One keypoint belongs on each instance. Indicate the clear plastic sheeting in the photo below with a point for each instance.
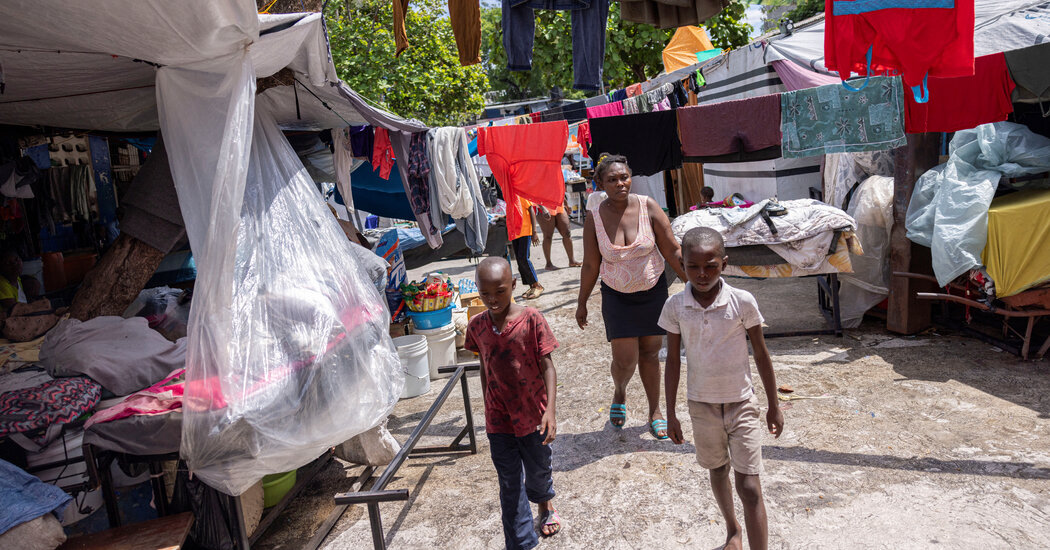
(290, 354)
(872, 207)
(949, 206)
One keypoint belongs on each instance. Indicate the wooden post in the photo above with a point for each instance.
(906, 313)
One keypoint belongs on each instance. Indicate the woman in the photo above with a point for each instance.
(626, 241)
(14, 287)
(549, 222)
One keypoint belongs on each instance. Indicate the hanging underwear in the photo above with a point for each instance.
(913, 38)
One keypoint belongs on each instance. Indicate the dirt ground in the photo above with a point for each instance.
(935, 441)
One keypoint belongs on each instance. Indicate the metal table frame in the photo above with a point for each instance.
(378, 492)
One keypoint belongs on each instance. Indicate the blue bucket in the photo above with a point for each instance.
(427, 320)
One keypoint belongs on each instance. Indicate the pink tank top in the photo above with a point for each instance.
(634, 267)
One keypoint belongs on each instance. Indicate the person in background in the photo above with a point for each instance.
(707, 196)
(14, 287)
(519, 387)
(626, 240)
(521, 247)
(549, 222)
(715, 321)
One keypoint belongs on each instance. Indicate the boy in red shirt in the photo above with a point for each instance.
(519, 385)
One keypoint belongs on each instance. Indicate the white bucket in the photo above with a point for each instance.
(412, 350)
(442, 345)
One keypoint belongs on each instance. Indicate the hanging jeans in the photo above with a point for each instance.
(588, 36)
(523, 466)
(521, 247)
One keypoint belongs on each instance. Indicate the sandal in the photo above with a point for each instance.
(618, 412)
(656, 426)
(551, 519)
(532, 293)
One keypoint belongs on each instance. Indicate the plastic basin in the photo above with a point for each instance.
(432, 319)
(275, 486)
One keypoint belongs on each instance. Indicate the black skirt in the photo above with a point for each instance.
(633, 315)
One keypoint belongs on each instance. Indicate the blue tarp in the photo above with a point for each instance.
(385, 198)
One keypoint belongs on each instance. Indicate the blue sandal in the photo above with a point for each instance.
(656, 426)
(618, 412)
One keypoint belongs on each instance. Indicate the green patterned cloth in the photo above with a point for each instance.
(832, 119)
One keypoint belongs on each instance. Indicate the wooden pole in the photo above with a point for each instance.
(906, 313)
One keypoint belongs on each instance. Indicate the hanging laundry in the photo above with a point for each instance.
(649, 140)
(668, 14)
(454, 186)
(383, 153)
(731, 127)
(964, 102)
(1028, 67)
(343, 161)
(678, 96)
(796, 77)
(362, 141)
(400, 36)
(588, 36)
(536, 117)
(831, 119)
(526, 161)
(574, 112)
(583, 137)
(523, 119)
(617, 95)
(418, 174)
(614, 108)
(913, 38)
(465, 16)
(633, 90)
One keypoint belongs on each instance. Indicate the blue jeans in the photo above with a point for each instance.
(523, 466)
(521, 247)
(588, 36)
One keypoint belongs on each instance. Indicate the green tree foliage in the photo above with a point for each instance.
(633, 52)
(426, 81)
(805, 9)
(730, 29)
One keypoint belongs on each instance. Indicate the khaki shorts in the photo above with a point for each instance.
(728, 433)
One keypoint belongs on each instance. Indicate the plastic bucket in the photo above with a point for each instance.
(428, 320)
(275, 486)
(412, 350)
(441, 343)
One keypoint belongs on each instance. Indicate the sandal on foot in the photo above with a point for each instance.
(532, 293)
(551, 519)
(618, 412)
(656, 426)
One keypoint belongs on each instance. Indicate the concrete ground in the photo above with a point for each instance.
(936, 441)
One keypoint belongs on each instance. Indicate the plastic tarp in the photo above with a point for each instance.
(999, 26)
(872, 207)
(681, 50)
(289, 350)
(1017, 255)
(382, 197)
(949, 207)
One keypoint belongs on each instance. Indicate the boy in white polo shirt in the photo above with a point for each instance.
(715, 320)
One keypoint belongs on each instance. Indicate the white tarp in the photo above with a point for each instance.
(190, 69)
(1000, 26)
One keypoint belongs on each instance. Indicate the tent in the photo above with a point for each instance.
(190, 70)
(681, 50)
(750, 72)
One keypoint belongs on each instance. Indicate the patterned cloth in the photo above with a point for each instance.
(831, 119)
(418, 172)
(516, 396)
(53, 403)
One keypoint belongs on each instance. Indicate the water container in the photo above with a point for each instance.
(412, 350)
(441, 342)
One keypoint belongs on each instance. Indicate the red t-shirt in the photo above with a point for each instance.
(964, 102)
(516, 396)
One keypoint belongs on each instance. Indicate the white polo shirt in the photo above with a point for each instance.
(715, 342)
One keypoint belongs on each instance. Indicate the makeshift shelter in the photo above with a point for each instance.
(260, 237)
(681, 51)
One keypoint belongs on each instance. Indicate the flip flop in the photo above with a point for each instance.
(551, 518)
(532, 293)
(656, 426)
(618, 411)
